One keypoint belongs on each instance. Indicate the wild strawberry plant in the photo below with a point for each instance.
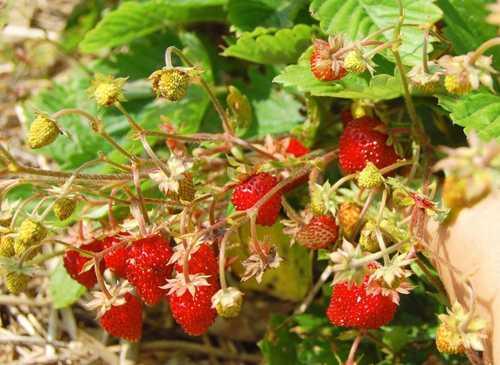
(301, 161)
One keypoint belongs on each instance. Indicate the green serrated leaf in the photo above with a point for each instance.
(358, 18)
(282, 46)
(246, 15)
(380, 87)
(479, 112)
(133, 20)
(63, 289)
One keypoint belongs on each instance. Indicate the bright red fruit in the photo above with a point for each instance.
(351, 306)
(362, 142)
(124, 321)
(320, 232)
(248, 192)
(148, 268)
(116, 260)
(74, 263)
(296, 148)
(321, 62)
(202, 261)
(194, 313)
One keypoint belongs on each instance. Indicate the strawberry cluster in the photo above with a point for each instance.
(146, 264)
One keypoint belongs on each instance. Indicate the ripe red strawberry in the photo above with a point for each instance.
(194, 313)
(362, 142)
(322, 66)
(74, 263)
(202, 261)
(351, 306)
(124, 321)
(320, 232)
(116, 260)
(248, 192)
(296, 148)
(148, 268)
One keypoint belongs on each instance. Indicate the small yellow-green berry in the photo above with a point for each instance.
(454, 192)
(448, 341)
(16, 282)
(170, 83)
(228, 302)
(63, 208)
(318, 206)
(354, 62)
(348, 218)
(20, 249)
(457, 85)
(370, 177)
(7, 246)
(43, 131)
(368, 238)
(107, 90)
(30, 233)
(401, 198)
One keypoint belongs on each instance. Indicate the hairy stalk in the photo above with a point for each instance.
(351, 360)
(483, 48)
(217, 105)
(314, 291)
(417, 126)
(222, 257)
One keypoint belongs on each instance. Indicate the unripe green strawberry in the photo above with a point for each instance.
(457, 85)
(427, 88)
(227, 302)
(43, 131)
(370, 177)
(170, 83)
(354, 62)
(454, 192)
(6, 246)
(186, 190)
(16, 282)
(348, 216)
(368, 239)
(20, 249)
(63, 208)
(30, 233)
(107, 90)
(448, 341)
(401, 198)
(318, 206)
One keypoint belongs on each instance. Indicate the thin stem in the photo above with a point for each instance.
(425, 56)
(222, 258)
(351, 360)
(290, 212)
(96, 126)
(435, 282)
(12, 161)
(45, 257)
(363, 212)
(100, 278)
(483, 48)
(321, 281)
(217, 105)
(251, 146)
(130, 119)
(417, 126)
(140, 197)
(368, 258)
